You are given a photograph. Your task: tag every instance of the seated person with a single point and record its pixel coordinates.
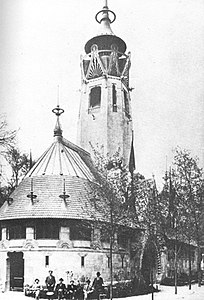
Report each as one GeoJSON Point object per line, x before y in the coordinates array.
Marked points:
{"type": "Point", "coordinates": [87, 290]}
{"type": "Point", "coordinates": [79, 294]}
{"type": "Point", "coordinates": [71, 290]}
{"type": "Point", "coordinates": [36, 288]}
{"type": "Point", "coordinates": [60, 289]}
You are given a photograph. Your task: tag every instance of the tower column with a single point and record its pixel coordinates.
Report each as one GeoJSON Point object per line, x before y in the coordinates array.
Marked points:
{"type": "Point", "coordinates": [105, 121]}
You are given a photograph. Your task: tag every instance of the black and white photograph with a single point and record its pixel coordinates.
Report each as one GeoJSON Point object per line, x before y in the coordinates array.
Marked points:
{"type": "Point", "coordinates": [102, 149]}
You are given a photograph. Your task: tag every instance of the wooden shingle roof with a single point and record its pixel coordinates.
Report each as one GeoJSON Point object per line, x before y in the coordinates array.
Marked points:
{"type": "Point", "coordinates": [48, 204]}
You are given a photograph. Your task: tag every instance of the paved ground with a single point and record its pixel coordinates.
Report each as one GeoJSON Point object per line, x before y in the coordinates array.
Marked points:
{"type": "Point", "coordinates": [166, 293]}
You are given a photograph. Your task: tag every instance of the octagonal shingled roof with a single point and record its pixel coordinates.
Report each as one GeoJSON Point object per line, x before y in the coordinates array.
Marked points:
{"type": "Point", "coordinates": [63, 169]}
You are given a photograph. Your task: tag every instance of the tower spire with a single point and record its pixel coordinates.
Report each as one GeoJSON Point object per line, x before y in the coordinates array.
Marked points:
{"type": "Point", "coordinates": [105, 38]}
{"type": "Point", "coordinates": [105, 97]}
{"type": "Point", "coordinates": [105, 17]}
{"type": "Point", "coordinates": [57, 130]}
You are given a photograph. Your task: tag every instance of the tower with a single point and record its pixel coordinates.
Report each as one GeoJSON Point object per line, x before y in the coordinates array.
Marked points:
{"type": "Point", "coordinates": [105, 108]}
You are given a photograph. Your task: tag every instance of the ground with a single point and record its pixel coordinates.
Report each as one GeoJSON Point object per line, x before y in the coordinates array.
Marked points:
{"type": "Point", "coordinates": [166, 293]}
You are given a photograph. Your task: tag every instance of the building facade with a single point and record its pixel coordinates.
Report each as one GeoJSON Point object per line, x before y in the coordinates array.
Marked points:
{"type": "Point", "coordinates": [46, 223]}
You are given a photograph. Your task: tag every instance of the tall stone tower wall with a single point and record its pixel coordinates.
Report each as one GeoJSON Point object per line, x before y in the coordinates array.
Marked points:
{"type": "Point", "coordinates": [107, 125]}
{"type": "Point", "coordinates": [105, 112]}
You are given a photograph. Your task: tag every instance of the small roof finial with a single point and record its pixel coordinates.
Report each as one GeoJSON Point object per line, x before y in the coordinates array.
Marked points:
{"type": "Point", "coordinates": [58, 111]}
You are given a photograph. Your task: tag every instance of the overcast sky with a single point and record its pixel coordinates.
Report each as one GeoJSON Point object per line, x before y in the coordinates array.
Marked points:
{"type": "Point", "coordinates": [41, 44]}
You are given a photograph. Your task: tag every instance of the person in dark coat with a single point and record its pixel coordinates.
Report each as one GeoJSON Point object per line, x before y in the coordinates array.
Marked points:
{"type": "Point", "coordinates": [71, 289]}
{"type": "Point", "coordinates": [50, 284]}
{"type": "Point", "coordinates": [98, 285]}
{"type": "Point", "coordinates": [60, 289]}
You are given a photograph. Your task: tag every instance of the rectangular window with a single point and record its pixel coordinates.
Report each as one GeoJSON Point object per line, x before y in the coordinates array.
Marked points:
{"type": "Point", "coordinates": [108, 262]}
{"type": "Point", "coordinates": [47, 230]}
{"type": "Point", "coordinates": [126, 103]}
{"type": "Point", "coordinates": [46, 260]}
{"type": "Point", "coordinates": [17, 232]}
{"type": "Point", "coordinates": [82, 261]}
{"type": "Point", "coordinates": [192, 256]}
{"type": "Point", "coordinates": [105, 237]}
{"type": "Point", "coordinates": [95, 97]}
{"type": "Point", "coordinates": [114, 98]}
{"type": "Point", "coordinates": [122, 265]}
{"type": "Point", "coordinates": [81, 233]}
{"type": "Point", "coordinates": [122, 240]}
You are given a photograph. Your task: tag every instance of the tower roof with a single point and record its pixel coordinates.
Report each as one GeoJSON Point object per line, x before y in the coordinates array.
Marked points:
{"type": "Point", "coordinates": [63, 157]}
{"type": "Point", "coordinates": [106, 38]}
{"type": "Point", "coordinates": [63, 169]}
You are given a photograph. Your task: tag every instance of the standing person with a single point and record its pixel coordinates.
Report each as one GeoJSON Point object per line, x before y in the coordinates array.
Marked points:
{"type": "Point", "coordinates": [36, 288]}
{"type": "Point", "coordinates": [98, 285]}
{"type": "Point", "coordinates": [50, 284]}
{"type": "Point", "coordinates": [60, 289]}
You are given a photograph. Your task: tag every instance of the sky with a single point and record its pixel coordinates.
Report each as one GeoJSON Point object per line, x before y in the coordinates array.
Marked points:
{"type": "Point", "coordinates": [41, 44]}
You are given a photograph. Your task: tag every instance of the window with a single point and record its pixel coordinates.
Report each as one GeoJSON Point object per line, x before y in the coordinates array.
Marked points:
{"type": "Point", "coordinates": [122, 240]}
{"type": "Point", "coordinates": [82, 261]}
{"type": "Point", "coordinates": [114, 97]}
{"type": "Point", "coordinates": [108, 262]}
{"type": "Point", "coordinates": [81, 233]}
{"type": "Point", "coordinates": [122, 262]}
{"type": "Point", "coordinates": [47, 230]}
{"type": "Point", "coordinates": [105, 237]}
{"type": "Point", "coordinates": [17, 231]}
{"type": "Point", "coordinates": [193, 256]}
{"type": "Point", "coordinates": [95, 97]}
{"type": "Point", "coordinates": [47, 261]}
{"type": "Point", "coordinates": [126, 103]}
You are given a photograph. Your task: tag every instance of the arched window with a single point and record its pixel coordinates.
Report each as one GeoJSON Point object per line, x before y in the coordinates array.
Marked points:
{"type": "Point", "coordinates": [95, 97]}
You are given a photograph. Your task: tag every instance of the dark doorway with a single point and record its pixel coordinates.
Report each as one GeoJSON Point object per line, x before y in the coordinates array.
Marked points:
{"type": "Point", "coordinates": [16, 271]}
{"type": "Point", "coordinates": [149, 262]}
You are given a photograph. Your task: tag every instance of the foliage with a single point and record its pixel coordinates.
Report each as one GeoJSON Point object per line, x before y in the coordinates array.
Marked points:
{"type": "Point", "coordinates": [19, 163]}
{"type": "Point", "coordinates": [7, 137]}
{"type": "Point", "coordinates": [112, 182]}
{"type": "Point", "coordinates": [183, 193]}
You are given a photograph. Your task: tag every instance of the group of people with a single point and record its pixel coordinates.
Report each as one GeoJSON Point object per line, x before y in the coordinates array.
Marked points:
{"type": "Point", "coordinates": [71, 291]}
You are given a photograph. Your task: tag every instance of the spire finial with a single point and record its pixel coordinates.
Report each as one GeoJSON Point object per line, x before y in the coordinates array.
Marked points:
{"type": "Point", "coordinates": [58, 94]}
{"type": "Point", "coordinates": [105, 18]}
{"type": "Point", "coordinates": [58, 111]}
